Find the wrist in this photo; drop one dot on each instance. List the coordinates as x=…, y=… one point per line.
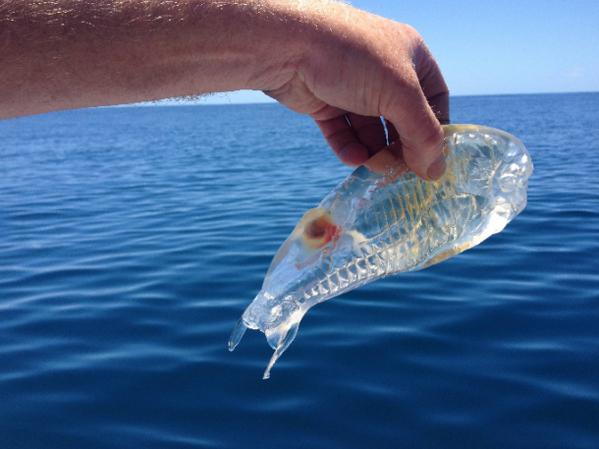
x=330, y=30
x=291, y=36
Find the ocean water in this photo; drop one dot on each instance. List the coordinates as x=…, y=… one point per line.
x=131, y=239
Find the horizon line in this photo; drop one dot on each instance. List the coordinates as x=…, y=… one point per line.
x=199, y=102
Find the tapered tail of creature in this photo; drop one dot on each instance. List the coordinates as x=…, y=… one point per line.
x=283, y=343
x=279, y=335
x=237, y=334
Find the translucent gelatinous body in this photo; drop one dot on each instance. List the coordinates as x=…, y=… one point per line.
x=374, y=225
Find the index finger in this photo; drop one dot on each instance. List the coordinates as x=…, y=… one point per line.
x=432, y=82
x=421, y=134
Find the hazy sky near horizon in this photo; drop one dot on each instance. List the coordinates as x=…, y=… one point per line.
x=498, y=47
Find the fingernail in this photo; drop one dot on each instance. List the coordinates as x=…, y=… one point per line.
x=437, y=168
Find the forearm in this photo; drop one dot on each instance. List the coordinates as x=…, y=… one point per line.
x=343, y=66
x=74, y=53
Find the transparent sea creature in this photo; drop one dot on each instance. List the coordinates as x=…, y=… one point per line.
x=374, y=225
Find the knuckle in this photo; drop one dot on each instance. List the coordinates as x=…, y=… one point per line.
x=410, y=31
x=413, y=37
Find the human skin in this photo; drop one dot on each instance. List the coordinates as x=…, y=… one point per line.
x=344, y=67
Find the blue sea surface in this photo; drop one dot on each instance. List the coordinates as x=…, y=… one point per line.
x=131, y=239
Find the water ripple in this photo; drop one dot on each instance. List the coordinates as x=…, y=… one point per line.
x=132, y=241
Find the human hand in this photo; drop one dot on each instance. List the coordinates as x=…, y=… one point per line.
x=344, y=67
x=360, y=67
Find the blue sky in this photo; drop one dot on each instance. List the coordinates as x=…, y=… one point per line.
x=497, y=47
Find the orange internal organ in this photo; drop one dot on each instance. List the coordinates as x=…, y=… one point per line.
x=320, y=231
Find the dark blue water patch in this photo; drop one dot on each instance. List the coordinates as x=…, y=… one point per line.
x=132, y=239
